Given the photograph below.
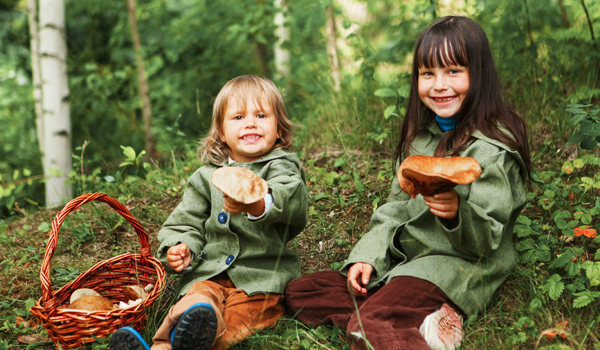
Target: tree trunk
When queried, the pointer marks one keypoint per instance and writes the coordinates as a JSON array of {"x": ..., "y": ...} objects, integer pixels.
[
  {"x": 142, "y": 82},
  {"x": 282, "y": 56},
  {"x": 587, "y": 16},
  {"x": 35, "y": 71},
  {"x": 530, "y": 33},
  {"x": 563, "y": 13},
  {"x": 332, "y": 51},
  {"x": 260, "y": 56},
  {"x": 55, "y": 101}
]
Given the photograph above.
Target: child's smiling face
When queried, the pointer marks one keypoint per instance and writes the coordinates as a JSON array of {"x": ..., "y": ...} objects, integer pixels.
[
  {"x": 249, "y": 128},
  {"x": 443, "y": 89}
]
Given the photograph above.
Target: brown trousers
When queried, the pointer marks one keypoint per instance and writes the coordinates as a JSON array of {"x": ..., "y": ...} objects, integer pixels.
[
  {"x": 238, "y": 314},
  {"x": 390, "y": 315}
]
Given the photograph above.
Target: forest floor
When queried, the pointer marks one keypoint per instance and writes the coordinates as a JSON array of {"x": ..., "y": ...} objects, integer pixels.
[{"x": 340, "y": 209}]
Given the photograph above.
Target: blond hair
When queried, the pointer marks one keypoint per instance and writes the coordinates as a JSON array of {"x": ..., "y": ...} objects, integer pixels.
[{"x": 212, "y": 149}]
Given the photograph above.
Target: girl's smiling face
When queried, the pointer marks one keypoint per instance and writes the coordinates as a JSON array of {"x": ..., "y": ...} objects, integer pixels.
[
  {"x": 249, "y": 128},
  {"x": 443, "y": 89}
]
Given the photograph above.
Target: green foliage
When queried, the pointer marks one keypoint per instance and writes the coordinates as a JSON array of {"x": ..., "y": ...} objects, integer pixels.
[{"x": 588, "y": 121}]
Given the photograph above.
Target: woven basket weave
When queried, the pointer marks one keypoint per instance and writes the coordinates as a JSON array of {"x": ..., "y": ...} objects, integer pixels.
[{"x": 72, "y": 328}]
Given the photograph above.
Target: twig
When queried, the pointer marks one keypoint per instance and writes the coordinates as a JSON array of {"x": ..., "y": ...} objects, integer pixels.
[
  {"x": 81, "y": 162},
  {"x": 313, "y": 339}
]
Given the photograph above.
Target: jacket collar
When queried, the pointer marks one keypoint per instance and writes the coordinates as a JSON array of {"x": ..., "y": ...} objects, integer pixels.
[
  {"x": 435, "y": 130},
  {"x": 274, "y": 154}
]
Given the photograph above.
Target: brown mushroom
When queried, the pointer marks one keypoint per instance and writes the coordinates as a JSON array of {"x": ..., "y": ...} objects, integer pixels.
[
  {"x": 134, "y": 292},
  {"x": 92, "y": 303},
  {"x": 82, "y": 292},
  {"x": 431, "y": 175},
  {"x": 242, "y": 185}
]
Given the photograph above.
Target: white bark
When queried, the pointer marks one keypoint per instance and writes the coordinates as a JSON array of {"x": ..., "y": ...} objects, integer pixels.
[
  {"x": 282, "y": 56},
  {"x": 332, "y": 50},
  {"x": 55, "y": 101},
  {"x": 35, "y": 70}
]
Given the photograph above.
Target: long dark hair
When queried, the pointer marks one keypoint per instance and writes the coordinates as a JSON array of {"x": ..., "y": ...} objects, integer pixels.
[{"x": 461, "y": 41}]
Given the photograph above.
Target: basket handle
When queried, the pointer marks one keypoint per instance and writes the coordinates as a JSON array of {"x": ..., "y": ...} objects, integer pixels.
[{"x": 145, "y": 250}]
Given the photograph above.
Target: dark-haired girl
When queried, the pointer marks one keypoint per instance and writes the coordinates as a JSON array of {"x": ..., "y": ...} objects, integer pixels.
[{"x": 429, "y": 261}]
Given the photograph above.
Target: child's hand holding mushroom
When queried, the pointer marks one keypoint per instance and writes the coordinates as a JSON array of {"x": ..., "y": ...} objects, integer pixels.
[
  {"x": 242, "y": 189},
  {"x": 435, "y": 178}
]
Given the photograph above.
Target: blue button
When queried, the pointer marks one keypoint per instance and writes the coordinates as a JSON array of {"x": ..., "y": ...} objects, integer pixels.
[
  {"x": 229, "y": 259},
  {"x": 222, "y": 218}
]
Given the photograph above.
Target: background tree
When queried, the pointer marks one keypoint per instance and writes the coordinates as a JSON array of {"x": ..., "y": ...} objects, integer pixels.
[
  {"x": 282, "y": 55},
  {"x": 142, "y": 81},
  {"x": 56, "y": 123}
]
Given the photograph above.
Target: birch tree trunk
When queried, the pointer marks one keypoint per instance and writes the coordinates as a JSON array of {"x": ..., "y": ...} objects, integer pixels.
[
  {"x": 55, "y": 101},
  {"x": 332, "y": 50},
  {"x": 282, "y": 56},
  {"x": 142, "y": 81},
  {"x": 35, "y": 71}
]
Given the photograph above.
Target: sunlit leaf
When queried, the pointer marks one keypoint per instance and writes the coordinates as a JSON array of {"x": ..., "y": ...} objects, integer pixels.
[
  {"x": 385, "y": 93},
  {"x": 554, "y": 286},
  {"x": 592, "y": 271}
]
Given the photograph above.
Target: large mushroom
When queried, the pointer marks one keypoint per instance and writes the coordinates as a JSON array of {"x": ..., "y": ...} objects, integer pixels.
[
  {"x": 240, "y": 184},
  {"x": 92, "y": 303},
  {"x": 431, "y": 175}
]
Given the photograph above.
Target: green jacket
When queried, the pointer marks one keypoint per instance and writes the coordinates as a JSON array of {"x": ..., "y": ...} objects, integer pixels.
[
  {"x": 253, "y": 252},
  {"x": 468, "y": 262}
]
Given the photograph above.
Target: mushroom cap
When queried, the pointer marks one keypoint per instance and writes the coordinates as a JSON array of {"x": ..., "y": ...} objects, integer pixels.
[
  {"x": 134, "y": 292},
  {"x": 92, "y": 303},
  {"x": 240, "y": 184},
  {"x": 427, "y": 175},
  {"x": 82, "y": 292}
]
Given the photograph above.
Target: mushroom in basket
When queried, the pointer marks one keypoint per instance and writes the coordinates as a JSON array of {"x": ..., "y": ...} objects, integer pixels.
[{"x": 428, "y": 176}]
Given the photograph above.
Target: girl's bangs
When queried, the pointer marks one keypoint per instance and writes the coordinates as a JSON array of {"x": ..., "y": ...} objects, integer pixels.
[
  {"x": 242, "y": 93},
  {"x": 441, "y": 51}
]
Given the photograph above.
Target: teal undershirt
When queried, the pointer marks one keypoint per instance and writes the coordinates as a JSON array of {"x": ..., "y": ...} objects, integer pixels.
[{"x": 446, "y": 124}]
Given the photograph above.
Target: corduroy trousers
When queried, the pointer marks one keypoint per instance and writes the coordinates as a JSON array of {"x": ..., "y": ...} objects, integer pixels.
[{"x": 388, "y": 317}]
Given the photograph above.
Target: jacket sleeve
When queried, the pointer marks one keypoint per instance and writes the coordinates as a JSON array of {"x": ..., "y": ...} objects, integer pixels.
[
  {"x": 376, "y": 247},
  {"x": 290, "y": 197},
  {"x": 493, "y": 204},
  {"x": 186, "y": 222}
]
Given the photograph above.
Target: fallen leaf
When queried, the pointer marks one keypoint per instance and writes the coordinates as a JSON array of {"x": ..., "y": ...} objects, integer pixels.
[
  {"x": 559, "y": 330},
  {"x": 568, "y": 170},
  {"x": 34, "y": 338},
  {"x": 586, "y": 231},
  {"x": 550, "y": 334}
]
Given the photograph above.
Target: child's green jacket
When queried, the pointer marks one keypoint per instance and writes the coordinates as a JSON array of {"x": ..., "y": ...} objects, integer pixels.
[
  {"x": 253, "y": 252},
  {"x": 468, "y": 262}
]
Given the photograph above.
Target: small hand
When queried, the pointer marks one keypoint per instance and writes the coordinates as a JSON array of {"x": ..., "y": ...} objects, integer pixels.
[
  {"x": 445, "y": 205},
  {"x": 359, "y": 276},
  {"x": 234, "y": 207},
  {"x": 179, "y": 257}
]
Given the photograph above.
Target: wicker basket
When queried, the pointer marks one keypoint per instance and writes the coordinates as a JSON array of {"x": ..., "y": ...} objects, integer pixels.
[{"x": 72, "y": 328}]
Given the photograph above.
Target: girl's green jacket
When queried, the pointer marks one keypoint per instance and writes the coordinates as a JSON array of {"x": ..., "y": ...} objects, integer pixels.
[
  {"x": 253, "y": 252},
  {"x": 467, "y": 262}
]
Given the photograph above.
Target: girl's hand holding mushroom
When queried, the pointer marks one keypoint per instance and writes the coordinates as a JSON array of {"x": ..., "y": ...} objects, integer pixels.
[{"x": 445, "y": 205}]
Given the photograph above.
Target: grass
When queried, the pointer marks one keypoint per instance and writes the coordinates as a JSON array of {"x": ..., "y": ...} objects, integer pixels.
[{"x": 347, "y": 181}]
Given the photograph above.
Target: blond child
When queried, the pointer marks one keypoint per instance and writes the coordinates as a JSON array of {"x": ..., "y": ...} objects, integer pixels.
[{"x": 232, "y": 256}]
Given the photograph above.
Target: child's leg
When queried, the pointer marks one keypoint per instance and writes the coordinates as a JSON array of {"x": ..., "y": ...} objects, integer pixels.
[
  {"x": 391, "y": 317},
  {"x": 322, "y": 298},
  {"x": 245, "y": 314},
  {"x": 201, "y": 292}
]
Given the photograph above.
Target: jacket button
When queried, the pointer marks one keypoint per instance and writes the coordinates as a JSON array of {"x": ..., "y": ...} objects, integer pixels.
[
  {"x": 222, "y": 218},
  {"x": 229, "y": 259}
]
